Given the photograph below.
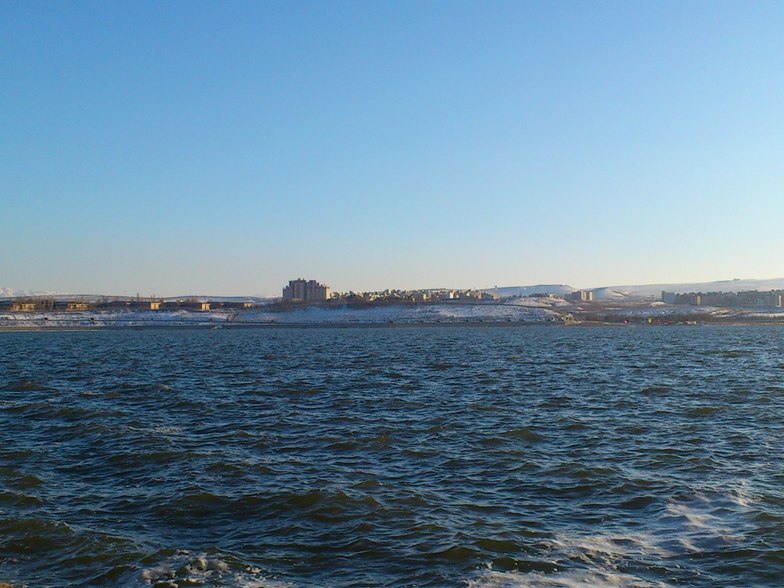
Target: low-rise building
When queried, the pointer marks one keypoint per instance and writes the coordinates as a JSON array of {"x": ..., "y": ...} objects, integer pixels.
[
  {"x": 32, "y": 304},
  {"x": 193, "y": 305}
]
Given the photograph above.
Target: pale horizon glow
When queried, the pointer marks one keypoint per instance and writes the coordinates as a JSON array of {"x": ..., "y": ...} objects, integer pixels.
[{"x": 224, "y": 149}]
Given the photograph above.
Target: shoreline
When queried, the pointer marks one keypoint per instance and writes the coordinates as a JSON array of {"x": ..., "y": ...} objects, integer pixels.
[{"x": 379, "y": 325}]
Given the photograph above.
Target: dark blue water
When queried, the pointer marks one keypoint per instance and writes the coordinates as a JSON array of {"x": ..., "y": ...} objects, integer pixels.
[{"x": 459, "y": 456}]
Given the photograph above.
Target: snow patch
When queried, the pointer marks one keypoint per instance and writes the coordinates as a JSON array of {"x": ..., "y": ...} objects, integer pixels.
[{"x": 426, "y": 313}]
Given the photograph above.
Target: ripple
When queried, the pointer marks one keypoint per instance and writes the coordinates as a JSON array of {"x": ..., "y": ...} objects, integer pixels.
[
  {"x": 27, "y": 385},
  {"x": 404, "y": 456}
]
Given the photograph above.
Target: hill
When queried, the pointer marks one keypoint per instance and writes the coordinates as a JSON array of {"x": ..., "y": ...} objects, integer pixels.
[
  {"x": 655, "y": 290},
  {"x": 561, "y": 289}
]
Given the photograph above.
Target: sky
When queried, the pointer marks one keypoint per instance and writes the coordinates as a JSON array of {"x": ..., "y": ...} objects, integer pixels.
[{"x": 224, "y": 148}]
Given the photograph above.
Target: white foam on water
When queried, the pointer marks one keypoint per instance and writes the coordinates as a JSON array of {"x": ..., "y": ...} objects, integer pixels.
[
  {"x": 742, "y": 494},
  {"x": 603, "y": 554},
  {"x": 188, "y": 569},
  {"x": 693, "y": 519},
  {"x": 167, "y": 430},
  {"x": 708, "y": 519},
  {"x": 565, "y": 579},
  {"x": 609, "y": 548}
]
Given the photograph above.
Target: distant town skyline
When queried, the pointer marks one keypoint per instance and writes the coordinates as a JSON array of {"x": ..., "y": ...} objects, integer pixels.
[{"x": 225, "y": 149}]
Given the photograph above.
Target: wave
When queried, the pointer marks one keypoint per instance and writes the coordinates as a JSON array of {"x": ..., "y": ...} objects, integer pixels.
[
  {"x": 567, "y": 579},
  {"x": 172, "y": 568}
]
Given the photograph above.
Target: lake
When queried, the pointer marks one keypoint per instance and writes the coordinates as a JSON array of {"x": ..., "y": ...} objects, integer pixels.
[{"x": 412, "y": 456}]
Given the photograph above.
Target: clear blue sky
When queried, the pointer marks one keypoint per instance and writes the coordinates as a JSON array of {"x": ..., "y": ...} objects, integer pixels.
[{"x": 226, "y": 147}]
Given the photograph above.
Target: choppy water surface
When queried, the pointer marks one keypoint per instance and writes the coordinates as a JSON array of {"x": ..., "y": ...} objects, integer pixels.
[{"x": 528, "y": 456}]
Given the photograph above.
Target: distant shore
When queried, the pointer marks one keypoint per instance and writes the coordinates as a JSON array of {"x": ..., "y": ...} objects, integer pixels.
[
  {"x": 514, "y": 312},
  {"x": 26, "y": 328}
]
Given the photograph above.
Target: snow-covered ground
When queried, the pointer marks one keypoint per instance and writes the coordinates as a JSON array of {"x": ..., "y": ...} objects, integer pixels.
[
  {"x": 13, "y": 293},
  {"x": 655, "y": 290},
  {"x": 436, "y": 313},
  {"x": 427, "y": 313},
  {"x": 659, "y": 311},
  {"x": 109, "y": 318},
  {"x": 537, "y": 302},
  {"x": 609, "y": 293},
  {"x": 773, "y": 313},
  {"x": 522, "y": 310}
]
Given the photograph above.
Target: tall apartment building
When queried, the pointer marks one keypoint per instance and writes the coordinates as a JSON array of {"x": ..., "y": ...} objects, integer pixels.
[
  {"x": 582, "y": 296},
  {"x": 306, "y": 291}
]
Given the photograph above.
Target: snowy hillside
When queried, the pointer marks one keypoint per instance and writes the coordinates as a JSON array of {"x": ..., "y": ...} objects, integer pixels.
[
  {"x": 13, "y": 293},
  {"x": 561, "y": 289},
  {"x": 633, "y": 292},
  {"x": 618, "y": 294},
  {"x": 434, "y": 313},
  {"x": 655, "y": 290}
]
